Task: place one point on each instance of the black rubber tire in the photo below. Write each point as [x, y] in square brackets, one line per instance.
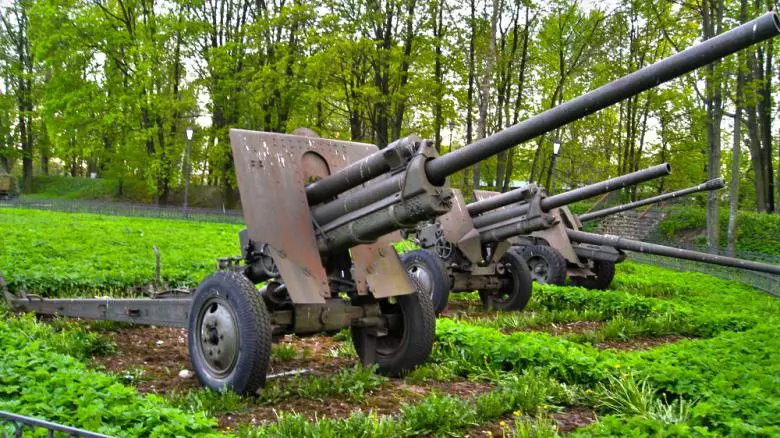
[399, 352]
[238, 295]
[517, 288]
[545, 264]
[438, 287]
[605, 272]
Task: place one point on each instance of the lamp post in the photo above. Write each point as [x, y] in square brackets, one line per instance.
[556, 149]
[450, 125]
[189, 131]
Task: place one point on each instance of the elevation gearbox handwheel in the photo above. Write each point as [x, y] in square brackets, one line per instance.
[229, 333]
[515, 291]
[425, 268]
[547, 266]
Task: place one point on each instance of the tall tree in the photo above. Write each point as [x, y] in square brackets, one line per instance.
[15, 28]
[712, 24]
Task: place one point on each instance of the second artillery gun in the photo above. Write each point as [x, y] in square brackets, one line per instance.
[526, 217]
[321, 216]
[552, 257]
[456, 256]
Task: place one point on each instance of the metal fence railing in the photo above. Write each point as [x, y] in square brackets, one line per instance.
[13, 425]
[126, 209]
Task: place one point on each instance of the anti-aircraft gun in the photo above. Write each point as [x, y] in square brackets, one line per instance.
[551, 257]
[456, 256]
[321, 216]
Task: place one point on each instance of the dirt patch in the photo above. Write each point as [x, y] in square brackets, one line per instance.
[382, 402]
[561, 328]
[385, 400]
[573, 418]
[149, 358]
[567, 421]
[470, 307]
[318, 354]
[639, 344]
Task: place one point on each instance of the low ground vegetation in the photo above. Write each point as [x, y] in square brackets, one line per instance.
[661, 353]
[756, 232]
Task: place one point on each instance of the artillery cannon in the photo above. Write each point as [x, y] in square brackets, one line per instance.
[321, 216]
[457, 257]
[552, 257]
[598, 258]
[713, 184]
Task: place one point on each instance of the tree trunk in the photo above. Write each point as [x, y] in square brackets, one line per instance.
[765, 125]
[712, 18]
[735, 148]
[487, 76]
[438, 74]
[470, 98]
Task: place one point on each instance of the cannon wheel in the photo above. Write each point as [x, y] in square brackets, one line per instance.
[605, 272]
[409, 339]
[516, 290]
[430, 275]
[229, 333]
[547, 266]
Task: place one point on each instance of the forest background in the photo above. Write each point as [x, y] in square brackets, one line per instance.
[107, 88]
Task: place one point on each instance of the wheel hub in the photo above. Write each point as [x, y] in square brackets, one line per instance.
[539, 269]
[218, 337]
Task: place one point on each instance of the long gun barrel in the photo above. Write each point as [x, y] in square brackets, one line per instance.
[713, 184]
[651, 248]
[498, 201]
[571, 196]
[355, 217]
[436, 170]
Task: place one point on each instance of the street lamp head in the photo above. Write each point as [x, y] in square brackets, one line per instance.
[556, 145]
[451, 125]
[189, 132]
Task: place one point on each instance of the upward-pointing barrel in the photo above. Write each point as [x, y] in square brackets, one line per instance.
[760, 29]
[575, 195]
[438, 169]
[713, 184]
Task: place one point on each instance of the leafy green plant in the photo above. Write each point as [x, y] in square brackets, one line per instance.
[540, 426]
[212, 403]
[68, 254]
[351, 382]
[438, 414]
[37, 380]
[284, 352]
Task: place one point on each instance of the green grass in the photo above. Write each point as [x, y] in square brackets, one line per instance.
[756, 232]
[42, 375]
[726, 381]
[64, 187]
[67, 254]
[437, 414]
